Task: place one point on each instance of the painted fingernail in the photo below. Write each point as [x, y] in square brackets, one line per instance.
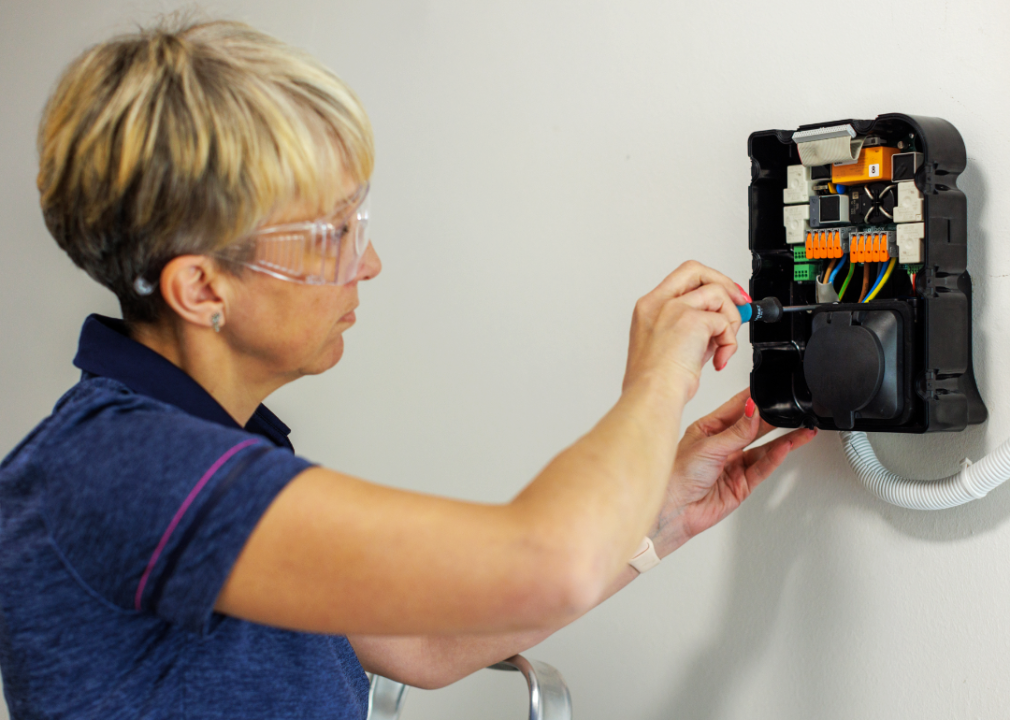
[745, 293]
[749, 408]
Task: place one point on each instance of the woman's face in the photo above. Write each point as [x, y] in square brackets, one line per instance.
[288, 329]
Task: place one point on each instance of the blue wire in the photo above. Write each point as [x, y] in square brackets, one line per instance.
[834, 272]
[880, 276]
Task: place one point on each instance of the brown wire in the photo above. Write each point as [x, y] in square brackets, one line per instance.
[827, 273]
[866, 282]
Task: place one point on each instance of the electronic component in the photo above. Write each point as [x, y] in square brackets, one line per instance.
[904, 165]
[799, 185]
[804, 269]
[820, 173]
[804, 272]
[909, 206]
[825, 244]
[874, 164]
[910, 237]
[796, 219]
[873, 204]
[871, 246]
[829, 210]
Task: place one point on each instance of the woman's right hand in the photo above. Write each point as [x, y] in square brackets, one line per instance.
[690, 317]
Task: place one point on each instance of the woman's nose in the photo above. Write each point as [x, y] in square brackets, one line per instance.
[370, 265]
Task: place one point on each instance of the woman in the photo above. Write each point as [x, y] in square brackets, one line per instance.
[163, 550]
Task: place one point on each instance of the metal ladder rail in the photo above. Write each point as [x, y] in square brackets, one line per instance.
[549, 696]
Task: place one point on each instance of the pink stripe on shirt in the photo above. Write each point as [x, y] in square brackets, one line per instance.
[182, 511]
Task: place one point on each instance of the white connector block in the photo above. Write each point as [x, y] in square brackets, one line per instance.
[909, 207]
[796, 218]
[799, 185]
[910, 237]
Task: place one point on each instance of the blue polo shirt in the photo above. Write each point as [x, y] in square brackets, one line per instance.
[121, 516]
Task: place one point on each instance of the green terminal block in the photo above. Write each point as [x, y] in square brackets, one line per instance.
[804, 272]
[800, 253]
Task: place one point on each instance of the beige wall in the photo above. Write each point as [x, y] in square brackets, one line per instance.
[541, 165]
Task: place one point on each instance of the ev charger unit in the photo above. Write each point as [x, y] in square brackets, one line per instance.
[863, 220]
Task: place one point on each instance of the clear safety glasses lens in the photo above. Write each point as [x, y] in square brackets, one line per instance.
[324, 252]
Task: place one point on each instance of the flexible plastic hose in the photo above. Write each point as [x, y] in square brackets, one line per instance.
[974, 481]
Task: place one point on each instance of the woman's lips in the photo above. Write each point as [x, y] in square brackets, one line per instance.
[349, 317]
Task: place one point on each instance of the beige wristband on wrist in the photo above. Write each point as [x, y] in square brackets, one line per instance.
[645, 558]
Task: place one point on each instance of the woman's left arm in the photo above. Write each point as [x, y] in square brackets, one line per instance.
[434, 661]
[712, 475]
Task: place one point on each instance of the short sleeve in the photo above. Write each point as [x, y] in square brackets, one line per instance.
[150, 507]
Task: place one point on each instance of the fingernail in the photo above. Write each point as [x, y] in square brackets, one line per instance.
[745, 294]
[749, 408]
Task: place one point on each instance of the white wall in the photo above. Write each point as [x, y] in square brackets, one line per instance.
[541, 165]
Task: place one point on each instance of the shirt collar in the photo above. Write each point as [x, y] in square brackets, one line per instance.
[106, 350]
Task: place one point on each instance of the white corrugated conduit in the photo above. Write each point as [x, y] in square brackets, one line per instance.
[974, 481]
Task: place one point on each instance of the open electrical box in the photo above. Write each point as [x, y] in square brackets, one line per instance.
[864, 220]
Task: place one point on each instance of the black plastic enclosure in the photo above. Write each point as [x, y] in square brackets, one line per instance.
[921, 365]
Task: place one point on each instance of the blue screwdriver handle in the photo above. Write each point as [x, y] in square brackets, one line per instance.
[768, 310]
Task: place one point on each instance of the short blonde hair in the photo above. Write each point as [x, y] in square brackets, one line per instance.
[184, 137]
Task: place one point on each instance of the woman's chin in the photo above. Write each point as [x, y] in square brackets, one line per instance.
[329, 357]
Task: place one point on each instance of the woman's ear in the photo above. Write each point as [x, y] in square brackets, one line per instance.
[196, 289]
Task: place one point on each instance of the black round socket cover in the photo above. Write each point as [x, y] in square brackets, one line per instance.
[844, 367]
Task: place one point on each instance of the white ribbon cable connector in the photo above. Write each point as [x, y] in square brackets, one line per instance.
[824, 146]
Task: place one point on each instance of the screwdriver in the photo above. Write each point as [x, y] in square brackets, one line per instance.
[768, 310]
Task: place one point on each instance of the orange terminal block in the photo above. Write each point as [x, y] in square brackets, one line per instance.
[868, 247]
[881, 247]
[856, 248]
[824, 244]
[861, 254]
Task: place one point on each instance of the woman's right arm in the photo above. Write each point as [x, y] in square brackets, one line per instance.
[336, 554]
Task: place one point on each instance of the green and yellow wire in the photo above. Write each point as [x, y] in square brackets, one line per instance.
[845, 283]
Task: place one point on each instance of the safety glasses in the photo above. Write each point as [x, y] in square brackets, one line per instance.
[327, 251]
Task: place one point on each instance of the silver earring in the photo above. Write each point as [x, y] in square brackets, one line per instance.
[143, 287]
[215, 322]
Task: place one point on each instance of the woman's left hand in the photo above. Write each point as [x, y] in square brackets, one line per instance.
[713, 473]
